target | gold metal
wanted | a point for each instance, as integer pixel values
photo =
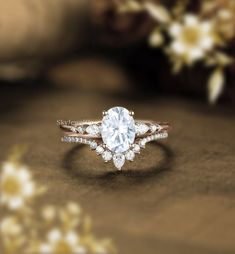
(68, 129)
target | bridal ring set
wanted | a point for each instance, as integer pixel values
(118, 137)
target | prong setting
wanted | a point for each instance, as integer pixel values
(104, 113)
(131, 113)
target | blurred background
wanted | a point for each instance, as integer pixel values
(167, 60)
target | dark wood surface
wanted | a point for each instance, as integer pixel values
(178, 196)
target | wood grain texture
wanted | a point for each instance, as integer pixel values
(177, 197)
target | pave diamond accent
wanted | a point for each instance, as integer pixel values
(118, 160)
(93, 129)
(142, 143)
(141, 128)
(118, 129)
(153, 128)
(130, 155)
(93, 145)
(136, 148)
(107, 156)
(99, 150)
(73, 129)
(80, 129)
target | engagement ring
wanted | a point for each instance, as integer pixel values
(117, 137)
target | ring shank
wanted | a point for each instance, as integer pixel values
(68, 128)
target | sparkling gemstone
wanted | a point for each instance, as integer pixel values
(136, 148)
(130, 155)
(93, 145)
(99, 149)
(107, 156)
(159, 127)
(80, 129)
(153, 128)
(93, 129)
(141, 128)
(142, 143)
(118, 129)
(73, 129)
(118, 160)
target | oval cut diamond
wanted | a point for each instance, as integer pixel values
(118, 129)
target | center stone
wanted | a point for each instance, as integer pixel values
(118, 129)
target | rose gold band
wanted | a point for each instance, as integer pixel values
(79, 128)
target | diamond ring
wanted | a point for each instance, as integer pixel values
(117, 137)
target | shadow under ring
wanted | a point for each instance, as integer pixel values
(72, 168)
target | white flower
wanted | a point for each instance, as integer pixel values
(215, 85)
(61, 243)
(10, 226)
(48, 213)
(16, 186)
(192, 38)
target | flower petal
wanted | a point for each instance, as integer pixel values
(15, 203)
(8, 168)
(195, 53)
(54, 235)
(45, 249)
(191, 20)
(206, 26)
(158, 12)
(28, 189)
(207, 42)
(215, 85)
(178, 47)
(175, 29)
(72, 238)
(23, 174)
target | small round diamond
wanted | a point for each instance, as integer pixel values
(107, 156)
(136, 148)
(80, 129)
(99, 149)
(93, 145)
(142, 143)
(153, 128)
(73, 129)
(130, 155)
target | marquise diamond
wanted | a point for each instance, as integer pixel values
(141, 128)
(93, 129)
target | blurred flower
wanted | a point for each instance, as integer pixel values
(10, 227)
(16, 186)
(48, 213)
(215, 85)
(22, 232)
(59, 242)
(70, 215)
(192, 38)
(156, 39)
(187, 38)
(130, 5)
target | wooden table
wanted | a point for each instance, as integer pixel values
(176, 197)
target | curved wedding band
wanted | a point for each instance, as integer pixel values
(117, 137)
